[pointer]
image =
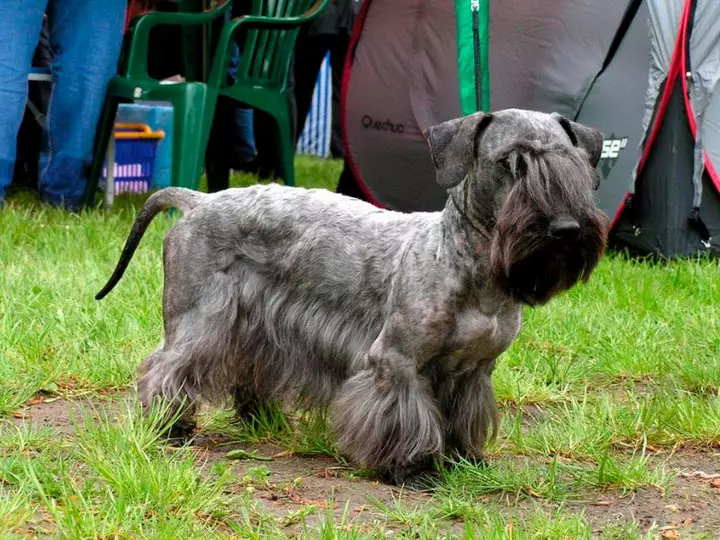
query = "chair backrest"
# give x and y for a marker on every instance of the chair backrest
(267, 50)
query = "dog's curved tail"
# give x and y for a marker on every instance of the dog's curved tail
(173, 197)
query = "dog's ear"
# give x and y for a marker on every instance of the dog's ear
(452, 146)
(585, 137)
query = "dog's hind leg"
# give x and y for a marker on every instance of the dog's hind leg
(160, 385)
(386, 418)
(194, 364)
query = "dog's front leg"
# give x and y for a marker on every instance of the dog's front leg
(470, 412)
(386, 417)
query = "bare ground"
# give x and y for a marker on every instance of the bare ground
(691, 507)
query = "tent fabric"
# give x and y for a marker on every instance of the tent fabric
(402, 79)
(644, 72)
(545, 55)
(710, 131)
(664, 23)
(668, 213)
(704, 58)
(615, 104)
(667, 22)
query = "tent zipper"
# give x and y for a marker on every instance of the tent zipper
(475, 9)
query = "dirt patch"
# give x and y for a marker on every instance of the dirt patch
(290, 484)
(63, 415)
(294, 483)
(691, 505)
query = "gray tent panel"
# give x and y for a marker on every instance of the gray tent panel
(403, 79)
(704, 52)
(704, 48)
(665, 18)
(615, 106)
(710, 132)
(545, 54)
(586, 59)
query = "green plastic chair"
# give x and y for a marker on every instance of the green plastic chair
(193, 101)
(270, 34)
(267, 39)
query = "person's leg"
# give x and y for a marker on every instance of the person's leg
(243, 151)
(20, 24)
(87, 37)
(29, 138)
(338, 51)
(347, 185)
(218, 150)
(309, 54)
(292, 105)
(242, 134)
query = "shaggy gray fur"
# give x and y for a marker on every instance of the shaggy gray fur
(393, 321)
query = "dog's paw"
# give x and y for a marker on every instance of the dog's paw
(421, 482)
(421, 477)
(180, 433)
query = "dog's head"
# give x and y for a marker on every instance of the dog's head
(527, 178)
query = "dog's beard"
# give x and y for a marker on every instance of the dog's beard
(532, 267)
(525, 260)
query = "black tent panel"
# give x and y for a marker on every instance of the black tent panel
(657, 218)
(615, 104)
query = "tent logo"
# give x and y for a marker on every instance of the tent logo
(387, 125)
(611, 150)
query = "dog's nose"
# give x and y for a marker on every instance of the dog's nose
(565, 228)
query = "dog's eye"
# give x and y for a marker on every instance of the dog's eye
(504, 164)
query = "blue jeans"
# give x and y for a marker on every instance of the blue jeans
(244, 141)
(86, 36)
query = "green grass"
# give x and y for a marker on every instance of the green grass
(603, 385)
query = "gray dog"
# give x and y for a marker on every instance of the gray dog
(390, 321)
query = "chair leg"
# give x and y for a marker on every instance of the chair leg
(221, 145)
(287, 149)
(193, 114)
(102, 138)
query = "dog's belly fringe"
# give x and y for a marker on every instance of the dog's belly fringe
(281, 343)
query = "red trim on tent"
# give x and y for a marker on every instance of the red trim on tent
(619, 211)
(347, 72)
(678, 68)
(673, 72)
(688, 106)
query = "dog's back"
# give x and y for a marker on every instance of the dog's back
(317, 241)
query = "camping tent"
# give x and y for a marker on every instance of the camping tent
(644, 72)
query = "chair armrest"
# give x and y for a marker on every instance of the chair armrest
(258, 21)
(139, 31)
(255, 22)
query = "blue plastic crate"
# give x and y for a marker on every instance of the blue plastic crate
(159, 116)
(135, 152)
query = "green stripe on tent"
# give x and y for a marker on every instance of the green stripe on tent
(473, 17)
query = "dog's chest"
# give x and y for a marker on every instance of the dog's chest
(479, 336)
